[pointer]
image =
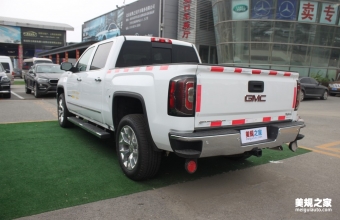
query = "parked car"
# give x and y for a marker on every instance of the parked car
(334, 86)
(6, 63)
(17, 73)
(42, 79)
(5, 83)
(310, 88)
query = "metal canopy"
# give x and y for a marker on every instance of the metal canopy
(68, 48)
(34, 24)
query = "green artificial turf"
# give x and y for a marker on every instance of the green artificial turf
(18, 82)
(44, 167)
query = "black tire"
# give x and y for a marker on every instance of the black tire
(36, 93)
(324, 95)
(63, 112)
(147, 161)
(8, 95)
(27, 90)
(332, 94)
(302, 94)
(239, 157)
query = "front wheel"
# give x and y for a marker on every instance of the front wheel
(27, 90)
(136, 157)
(7, 95)
(63, 112)
(302, 94)
(36, 93)
(324, 95)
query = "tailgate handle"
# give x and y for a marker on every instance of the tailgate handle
(255, 86)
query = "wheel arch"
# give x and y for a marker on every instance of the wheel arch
(60, 90)
(121, 102)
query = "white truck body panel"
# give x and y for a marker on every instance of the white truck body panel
(223, 96)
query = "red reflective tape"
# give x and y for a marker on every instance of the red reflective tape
(215, 123)
(109, 71)
(282, 118)
(273, 73)
(287, 74)
(198, 98)
(149, 68)
(117, 70)
(136, 69)
(126, 70)
(239, 122)
(256, 71)
(217, 69)
(294, 98)
(164, 67)
(238, 70)
(266, 119)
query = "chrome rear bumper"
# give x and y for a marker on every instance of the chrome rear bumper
(228, 141)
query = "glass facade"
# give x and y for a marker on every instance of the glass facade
(289, 35)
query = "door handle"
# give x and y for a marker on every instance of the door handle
(98, 80)
(79, 79)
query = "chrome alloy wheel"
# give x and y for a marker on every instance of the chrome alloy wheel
(302, 96)
(325, 95)
(128, 147)
(61, 111)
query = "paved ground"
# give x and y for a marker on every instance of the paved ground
(264, 192)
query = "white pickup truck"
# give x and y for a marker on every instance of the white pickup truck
(155, 96)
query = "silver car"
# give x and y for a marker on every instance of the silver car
(5, 83)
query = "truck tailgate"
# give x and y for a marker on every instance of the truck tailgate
(236, 96)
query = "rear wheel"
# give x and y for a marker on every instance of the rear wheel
(136, 157)
(324, 95)
(27, 90)
(63, 112)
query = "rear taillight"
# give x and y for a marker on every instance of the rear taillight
(297, 96)
(181, 97)
(161, 40)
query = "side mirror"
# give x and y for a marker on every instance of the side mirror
(7, 71)
(66, 66)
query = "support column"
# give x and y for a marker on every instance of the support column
(57, 58)
(66, 56)
(20, 56)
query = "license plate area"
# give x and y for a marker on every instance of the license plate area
(335, 89)
(253, 135)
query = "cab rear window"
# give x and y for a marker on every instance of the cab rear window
(139, 53)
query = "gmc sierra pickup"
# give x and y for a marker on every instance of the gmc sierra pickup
(155, 96)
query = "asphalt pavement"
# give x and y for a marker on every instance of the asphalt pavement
(268, 191)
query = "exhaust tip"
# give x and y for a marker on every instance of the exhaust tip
(256, 152)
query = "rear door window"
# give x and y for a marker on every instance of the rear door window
(100, 57)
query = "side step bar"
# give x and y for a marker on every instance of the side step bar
(90, 128)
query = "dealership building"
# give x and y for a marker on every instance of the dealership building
(289, 35)
(21, 38)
